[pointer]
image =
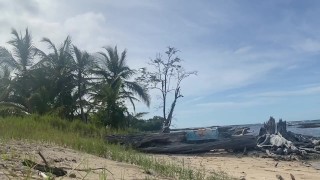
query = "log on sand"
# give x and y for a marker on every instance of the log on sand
(234, 143)
(146, 140)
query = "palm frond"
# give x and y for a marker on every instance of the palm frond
(7, 59)
(122, 61)
(139, 90)
(44, 58)
(22, 48)
(50, 45)
(140, 114)
(66, 47)
(13, 108)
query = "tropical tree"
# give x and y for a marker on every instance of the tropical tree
(22, 54)
(166, 77)
(116, 87)
(59, 65)
(20, 60)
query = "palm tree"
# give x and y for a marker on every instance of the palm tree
(83, 64)
(59, 64)
(21, 61)
(116, 74)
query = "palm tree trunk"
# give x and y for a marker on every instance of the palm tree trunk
(80, 98)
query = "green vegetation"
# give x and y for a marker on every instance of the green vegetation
(67, 82)
(89, 138)
(69, 97)
(74, 84)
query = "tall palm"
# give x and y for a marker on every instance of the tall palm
(83, 64)
(59, 64)
(20, 60)
(116, 82)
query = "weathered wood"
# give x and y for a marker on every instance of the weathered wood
(235, 143)
(309, 150)
(282, 127)
(145, 140)
(270, 126)
(277, 143)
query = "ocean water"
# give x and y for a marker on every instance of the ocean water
(293, 126)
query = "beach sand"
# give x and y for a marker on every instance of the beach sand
(238, 166)
(248, 167)
(13, 152)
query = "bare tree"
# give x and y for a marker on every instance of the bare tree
(166, 77)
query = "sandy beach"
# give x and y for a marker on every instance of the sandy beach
(249, 167)
(237, 166)
(13, 152)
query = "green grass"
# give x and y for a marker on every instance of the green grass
(89, 138)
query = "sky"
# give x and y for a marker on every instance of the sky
(255, 59)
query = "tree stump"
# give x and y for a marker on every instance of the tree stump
(270, 126)
(282, 127)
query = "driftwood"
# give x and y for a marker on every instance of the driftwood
(177, 142)
(282, 127)
(147, 140)
(270, 126)
(234, 143)
(285, 145)
(273, 139)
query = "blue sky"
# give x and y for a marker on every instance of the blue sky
(254, 59)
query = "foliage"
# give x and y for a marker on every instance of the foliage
(67, 81)
(115, 88)
(20, 60)
(74, 84)
(153, 124)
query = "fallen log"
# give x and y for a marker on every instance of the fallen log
(234, 143)
(146, 140)
(273, 139)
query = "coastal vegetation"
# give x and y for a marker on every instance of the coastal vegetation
(73, 84)
(72, 98)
